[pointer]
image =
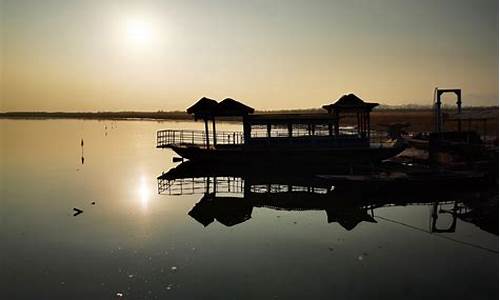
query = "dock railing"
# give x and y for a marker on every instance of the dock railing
(165, 138)
(168, 137)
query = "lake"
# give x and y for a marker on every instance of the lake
(132, 242)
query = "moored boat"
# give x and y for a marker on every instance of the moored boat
(284, 138)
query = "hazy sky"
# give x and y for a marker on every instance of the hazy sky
(64, 55)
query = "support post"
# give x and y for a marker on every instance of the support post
(438, 112)
(206, 132)
(247, 128)
(214, 132)
(368, 125)
(359, 123)
(459, 108)
(337, 130)
(363, 124)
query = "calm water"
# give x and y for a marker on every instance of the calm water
(143, 245)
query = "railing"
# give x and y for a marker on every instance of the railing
(228, 185)
(260, 131)
(202, 185)
(347, 137)
(167, 137)
(236, 186)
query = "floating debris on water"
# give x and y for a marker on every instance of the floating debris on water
(119, 295)
(174, 268)
(77, 211)
(168, 287)
(131, 275)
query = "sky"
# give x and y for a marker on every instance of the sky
(66, 55)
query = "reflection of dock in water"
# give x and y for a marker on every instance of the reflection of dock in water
(231, 193)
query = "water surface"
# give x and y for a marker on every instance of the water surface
(131, 241)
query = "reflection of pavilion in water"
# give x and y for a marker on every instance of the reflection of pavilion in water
(231, 199)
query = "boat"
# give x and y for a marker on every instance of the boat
(341, 134)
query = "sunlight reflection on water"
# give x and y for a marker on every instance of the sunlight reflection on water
(144, 193)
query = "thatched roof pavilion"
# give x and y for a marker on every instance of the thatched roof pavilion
(352, 104)
(208, 109)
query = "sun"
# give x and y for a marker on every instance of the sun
(139, 31)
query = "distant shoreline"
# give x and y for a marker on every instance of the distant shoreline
(180, 115)
(97, 115)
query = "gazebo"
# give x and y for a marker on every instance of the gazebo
(208, 109)
(352, 104)
(204, 109)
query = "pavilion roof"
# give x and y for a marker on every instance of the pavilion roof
(350, 102)
(203, 108)
(209, 108)
(231, 107)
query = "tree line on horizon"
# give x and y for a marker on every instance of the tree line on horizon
(182, 115)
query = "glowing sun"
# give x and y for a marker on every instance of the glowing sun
(139, 31)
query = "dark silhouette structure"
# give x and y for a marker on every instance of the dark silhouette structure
(438, 115)
(351, 104)
(449, 146)
(317, 137)
(347, 200)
